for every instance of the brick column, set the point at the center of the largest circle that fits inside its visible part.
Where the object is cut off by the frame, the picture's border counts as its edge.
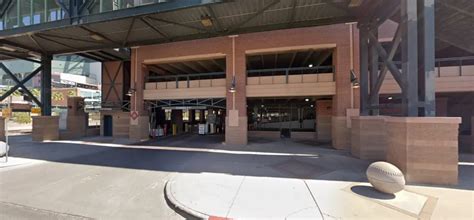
(45, 128)
(368, 137)
(323, 120)
(139, 127)
(2, 129)
(342, 100)
(424, 148)
(76, 118)
(441, 107)
(236, 103)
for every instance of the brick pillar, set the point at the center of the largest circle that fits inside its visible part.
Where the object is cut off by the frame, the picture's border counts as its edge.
(323, 120)
(442, 106)
(424, 148)
(139, 128)
(342, 100)
(76, 122)
(45, 128)
(236, 103)
(2, 129)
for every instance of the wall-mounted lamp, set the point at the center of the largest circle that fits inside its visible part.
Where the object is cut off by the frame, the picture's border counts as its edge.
(354, 80)
(233, 89)
(206, 21)
(131, 92)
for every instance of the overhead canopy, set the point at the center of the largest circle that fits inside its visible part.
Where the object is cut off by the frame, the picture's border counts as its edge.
(177, 20)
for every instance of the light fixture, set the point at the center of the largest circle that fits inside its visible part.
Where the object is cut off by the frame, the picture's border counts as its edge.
(7, 48)
(312, 106)
(96, 37)
(354, 80)
(34, 54)
(262, 106)
(390, 98)
(310, 65)
(233, 89)
(306, 100)
(130, 92)
(206, 21)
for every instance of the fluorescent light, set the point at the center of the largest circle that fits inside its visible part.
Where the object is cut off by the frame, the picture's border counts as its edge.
(306, 100)
(34, 54)
(7, 48)
(310, 65)
(97, 37)
(312, 106)
(390, 98)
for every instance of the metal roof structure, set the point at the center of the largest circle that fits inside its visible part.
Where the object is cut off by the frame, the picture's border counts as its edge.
(96, 35)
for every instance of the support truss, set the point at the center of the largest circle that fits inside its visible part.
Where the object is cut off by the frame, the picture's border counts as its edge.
(415, 36)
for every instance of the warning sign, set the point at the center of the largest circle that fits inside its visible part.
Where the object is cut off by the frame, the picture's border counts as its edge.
(134, 117)
(7, 112)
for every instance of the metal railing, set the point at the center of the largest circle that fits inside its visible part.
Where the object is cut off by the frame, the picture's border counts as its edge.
(446, 62)
(185, 77)
(287, 72)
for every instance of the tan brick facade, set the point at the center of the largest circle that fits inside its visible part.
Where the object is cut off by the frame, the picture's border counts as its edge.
(424, 148)
(333, 36)
(45, 128)
(368, 137)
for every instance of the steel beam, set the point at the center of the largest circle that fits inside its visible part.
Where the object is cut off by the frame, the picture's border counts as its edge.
(426, 52)
(409, 47)
(22, 82)
(46, 85)
(373, 69)
(19, 83)
(364, 69)
(395, 44)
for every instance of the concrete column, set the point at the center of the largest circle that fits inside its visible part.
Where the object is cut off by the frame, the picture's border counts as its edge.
(139, 128)
(424, 148)
(2, 129)
(323, 120)
(45, 128)
(236, 103)
(342, 100)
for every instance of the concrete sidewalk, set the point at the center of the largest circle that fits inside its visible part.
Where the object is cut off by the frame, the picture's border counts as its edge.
(222, 196)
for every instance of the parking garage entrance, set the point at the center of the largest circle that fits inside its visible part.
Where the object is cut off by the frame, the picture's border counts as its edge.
(186, 97)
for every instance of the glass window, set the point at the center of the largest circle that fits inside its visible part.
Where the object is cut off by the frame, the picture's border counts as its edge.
(168, 114)
(185, 115)
(25, 12)
(197, 115)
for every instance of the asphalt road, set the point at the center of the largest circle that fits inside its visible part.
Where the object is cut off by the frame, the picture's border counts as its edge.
(85, 181)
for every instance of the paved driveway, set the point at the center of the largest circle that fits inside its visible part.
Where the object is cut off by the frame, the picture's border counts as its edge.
(93, 178)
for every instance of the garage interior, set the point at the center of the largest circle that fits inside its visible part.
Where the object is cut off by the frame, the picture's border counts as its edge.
(173, 111)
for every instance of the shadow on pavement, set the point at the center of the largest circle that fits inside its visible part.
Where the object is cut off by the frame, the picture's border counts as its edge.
(199, 154)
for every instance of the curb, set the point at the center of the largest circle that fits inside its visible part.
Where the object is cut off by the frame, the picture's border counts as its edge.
(179, 207)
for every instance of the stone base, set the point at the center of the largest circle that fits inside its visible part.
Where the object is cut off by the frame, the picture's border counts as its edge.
(323, 127)
(77, 125)
(424, 148)
(45, 128)
(140, 131)
(368, 139)
(236, 135)
(2, 129)
(341, 135)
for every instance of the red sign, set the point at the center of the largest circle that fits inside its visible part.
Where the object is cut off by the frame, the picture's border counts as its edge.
(134, 115)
